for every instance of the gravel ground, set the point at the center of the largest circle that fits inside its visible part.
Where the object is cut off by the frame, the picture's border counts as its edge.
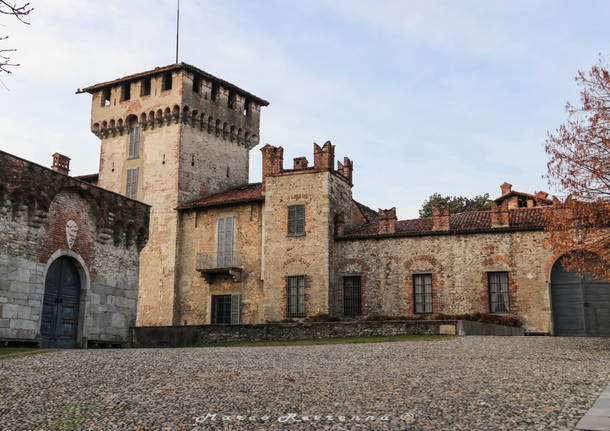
(472, 383)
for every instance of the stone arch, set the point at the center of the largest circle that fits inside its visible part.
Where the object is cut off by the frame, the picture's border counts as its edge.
(210, 124)
(225, 130)
(218, 128)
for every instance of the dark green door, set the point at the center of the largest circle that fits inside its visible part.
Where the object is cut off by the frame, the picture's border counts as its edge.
(60, 310)
(581, 307)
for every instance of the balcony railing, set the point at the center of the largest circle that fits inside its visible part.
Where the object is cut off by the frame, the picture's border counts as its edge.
(211, 263)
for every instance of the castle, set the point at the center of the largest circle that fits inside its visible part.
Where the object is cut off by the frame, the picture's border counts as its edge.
(221, 250)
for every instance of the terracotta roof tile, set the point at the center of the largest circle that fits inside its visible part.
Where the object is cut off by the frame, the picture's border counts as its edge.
(242, 194)
(525, 218)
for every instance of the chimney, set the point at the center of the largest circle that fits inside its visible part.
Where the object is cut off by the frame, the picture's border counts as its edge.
(346, 168)
(542, 195)
(300, 163)
(324, 158)
(61, 163)
(499, 215)
(440, 219)
(273, 159)
(387, 220)
(506, 188)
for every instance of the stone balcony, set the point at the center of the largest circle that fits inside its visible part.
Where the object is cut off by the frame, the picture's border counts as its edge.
(210, 264)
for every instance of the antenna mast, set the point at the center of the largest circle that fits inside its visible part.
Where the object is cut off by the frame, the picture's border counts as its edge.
(177, 29)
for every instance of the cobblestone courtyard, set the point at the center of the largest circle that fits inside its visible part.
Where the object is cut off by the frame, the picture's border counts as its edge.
(474, 383)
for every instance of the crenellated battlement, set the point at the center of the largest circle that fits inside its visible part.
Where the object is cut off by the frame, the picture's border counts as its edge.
(324, 159)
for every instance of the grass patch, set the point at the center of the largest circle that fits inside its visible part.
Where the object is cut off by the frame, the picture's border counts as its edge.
(347, 340)
(16, 352)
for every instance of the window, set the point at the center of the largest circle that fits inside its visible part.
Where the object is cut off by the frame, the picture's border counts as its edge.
(131, 190)
(247, 110)
(226, 309)
(296, 220)
(196, 83)
(231, 100)
(295, 296)
(224, 244)
(215, 88)
(167, 81)
(126, 91)
(145, 86)
(498, 292)
(422, 293)
(106, 97)
(134, 141)
(351, 296)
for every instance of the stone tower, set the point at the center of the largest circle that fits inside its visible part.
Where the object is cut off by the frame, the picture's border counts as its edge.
(170, 135)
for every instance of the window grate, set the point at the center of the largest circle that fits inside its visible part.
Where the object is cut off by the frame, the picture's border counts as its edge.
(422, 293)
(352, 296)
(498, 292)
(295, 296)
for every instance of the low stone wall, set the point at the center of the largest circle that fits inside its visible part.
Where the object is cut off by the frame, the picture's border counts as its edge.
(181, 336)
(468, 327)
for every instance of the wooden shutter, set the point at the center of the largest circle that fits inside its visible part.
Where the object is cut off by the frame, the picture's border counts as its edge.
(300, 219)
(224, 246)
(220, 245)
(235, 309)
(134, 142)
(131, 189)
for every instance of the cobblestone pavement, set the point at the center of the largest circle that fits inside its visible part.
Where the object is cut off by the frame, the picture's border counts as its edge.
(473, 383)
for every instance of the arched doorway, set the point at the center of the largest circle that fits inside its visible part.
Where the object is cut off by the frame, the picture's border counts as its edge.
(581, 306)
(60, 310)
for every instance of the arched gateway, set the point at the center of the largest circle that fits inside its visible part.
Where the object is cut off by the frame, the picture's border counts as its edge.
(581, 307)
(60, 312)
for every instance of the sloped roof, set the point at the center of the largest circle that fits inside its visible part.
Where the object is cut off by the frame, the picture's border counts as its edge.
(368, 213)
(237, 195)
(472, 221)
(538, 199)
(181, 65)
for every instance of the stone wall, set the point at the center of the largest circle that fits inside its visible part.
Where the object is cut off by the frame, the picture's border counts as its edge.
(459, 264)
(198, 230)
(184, 336)
(35, 205)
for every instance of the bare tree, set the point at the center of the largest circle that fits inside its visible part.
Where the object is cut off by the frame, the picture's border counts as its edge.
(579, 165)
(22, 13)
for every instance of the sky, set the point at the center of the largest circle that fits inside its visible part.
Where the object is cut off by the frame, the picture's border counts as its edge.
(453, 97)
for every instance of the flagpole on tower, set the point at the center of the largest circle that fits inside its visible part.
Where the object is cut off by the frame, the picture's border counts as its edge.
(177, 28)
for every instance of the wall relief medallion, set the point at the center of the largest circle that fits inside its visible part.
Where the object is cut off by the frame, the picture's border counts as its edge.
(71, 231)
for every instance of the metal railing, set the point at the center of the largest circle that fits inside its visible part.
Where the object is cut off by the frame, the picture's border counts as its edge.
(215, 260)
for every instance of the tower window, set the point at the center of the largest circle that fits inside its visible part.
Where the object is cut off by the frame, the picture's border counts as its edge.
(126, 91)
(145, 87)
(296, 220)
(106, 97)
(231, 100)
(131, 189)
(215, 89)
(196, 83)
(167, 81)
(134, 141)
(247, 111)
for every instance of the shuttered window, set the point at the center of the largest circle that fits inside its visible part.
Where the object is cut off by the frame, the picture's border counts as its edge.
(296, 220)
(226, 309)
(422, 293)
(134, 142)
(131, 190)
(224, 245)
(498, 292)
(295, 296)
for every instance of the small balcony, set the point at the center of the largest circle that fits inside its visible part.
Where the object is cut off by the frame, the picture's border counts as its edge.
(210, 264)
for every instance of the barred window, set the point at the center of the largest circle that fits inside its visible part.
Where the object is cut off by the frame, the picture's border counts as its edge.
(134, 142)
(131, 190)
(296, 220)
(295, 296)
(498, 292)
(422, 293)
(352, 296)
(226, 309)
